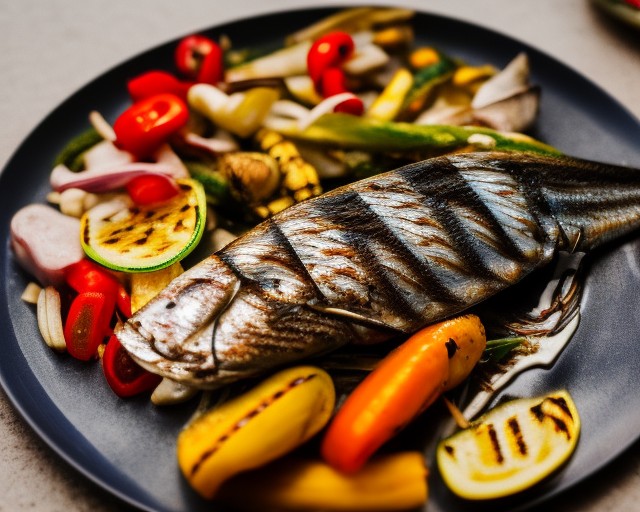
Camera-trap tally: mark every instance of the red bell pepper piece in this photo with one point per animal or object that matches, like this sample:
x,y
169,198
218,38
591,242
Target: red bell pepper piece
x,y
149,123
87,323
200,58
87,276
328,51
156,82
151,189
332,82
123,374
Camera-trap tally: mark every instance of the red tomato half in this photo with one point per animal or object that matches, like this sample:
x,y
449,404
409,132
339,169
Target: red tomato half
x,y
148,123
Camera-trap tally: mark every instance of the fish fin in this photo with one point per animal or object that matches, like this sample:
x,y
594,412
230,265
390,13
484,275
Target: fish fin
x,y
353,317
548,328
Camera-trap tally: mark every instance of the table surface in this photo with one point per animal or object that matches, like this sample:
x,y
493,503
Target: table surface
x,y
52,48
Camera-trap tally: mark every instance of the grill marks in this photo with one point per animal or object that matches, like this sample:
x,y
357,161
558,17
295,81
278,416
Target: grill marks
x,y
516,435
495,217
249,415
402,249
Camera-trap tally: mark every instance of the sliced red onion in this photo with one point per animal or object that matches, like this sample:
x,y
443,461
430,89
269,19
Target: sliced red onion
x,y
105,180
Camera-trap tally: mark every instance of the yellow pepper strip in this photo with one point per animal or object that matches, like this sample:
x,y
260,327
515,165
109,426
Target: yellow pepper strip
x,y
387,106
392,482
241,113
255,428
146,285
393,36
466,75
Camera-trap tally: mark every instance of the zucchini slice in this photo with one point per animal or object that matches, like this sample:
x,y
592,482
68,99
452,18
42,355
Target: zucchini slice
x,y
145,238
510,448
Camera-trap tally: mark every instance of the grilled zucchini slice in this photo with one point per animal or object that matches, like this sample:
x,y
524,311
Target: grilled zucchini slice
x,y
145,238
510,448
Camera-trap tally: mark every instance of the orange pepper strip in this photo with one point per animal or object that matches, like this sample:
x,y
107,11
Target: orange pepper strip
x,y
404,384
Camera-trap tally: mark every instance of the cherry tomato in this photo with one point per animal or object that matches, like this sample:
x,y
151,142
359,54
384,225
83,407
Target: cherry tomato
x,y
87,323
125,377
148,123
328,51
200,58
151,189
156,82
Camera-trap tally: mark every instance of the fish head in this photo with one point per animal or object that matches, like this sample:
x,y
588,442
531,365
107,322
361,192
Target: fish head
x,y
172,335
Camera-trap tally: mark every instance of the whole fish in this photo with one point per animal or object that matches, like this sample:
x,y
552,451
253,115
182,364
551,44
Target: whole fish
x,y
378,258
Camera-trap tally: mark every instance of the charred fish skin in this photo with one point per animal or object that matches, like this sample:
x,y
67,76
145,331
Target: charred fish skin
x,y
378,258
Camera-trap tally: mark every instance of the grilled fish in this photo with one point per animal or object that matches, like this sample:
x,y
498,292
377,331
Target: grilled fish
x,y
378,258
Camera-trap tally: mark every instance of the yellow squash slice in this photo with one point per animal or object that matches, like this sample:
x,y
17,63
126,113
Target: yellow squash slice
x,y
145,238
510,448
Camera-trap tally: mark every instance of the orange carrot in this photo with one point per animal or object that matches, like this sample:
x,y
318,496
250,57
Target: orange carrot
x,y
404,384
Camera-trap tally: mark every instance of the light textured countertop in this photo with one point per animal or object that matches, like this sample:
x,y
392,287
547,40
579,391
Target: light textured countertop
x,y
50,49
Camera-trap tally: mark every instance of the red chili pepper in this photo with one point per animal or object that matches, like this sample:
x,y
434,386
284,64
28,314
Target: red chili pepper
x,y
633,3
156,82
328,51
151,189
150,122
332,82
200,58
123,374
87,323
212,68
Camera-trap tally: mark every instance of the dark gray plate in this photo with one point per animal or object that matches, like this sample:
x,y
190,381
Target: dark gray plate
x,y
128,446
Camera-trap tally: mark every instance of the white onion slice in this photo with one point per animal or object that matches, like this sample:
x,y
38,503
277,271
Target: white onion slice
x,y
101,125
326,106
49,313
217,144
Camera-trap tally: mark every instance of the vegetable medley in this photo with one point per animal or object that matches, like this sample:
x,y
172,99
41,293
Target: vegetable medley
x,y
220,140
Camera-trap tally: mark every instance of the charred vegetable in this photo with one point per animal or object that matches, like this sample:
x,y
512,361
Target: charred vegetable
x,y
145,238
404,384
510,448
255,428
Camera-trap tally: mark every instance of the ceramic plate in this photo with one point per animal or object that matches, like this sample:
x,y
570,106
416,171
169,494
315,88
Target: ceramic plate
x,y
128,447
